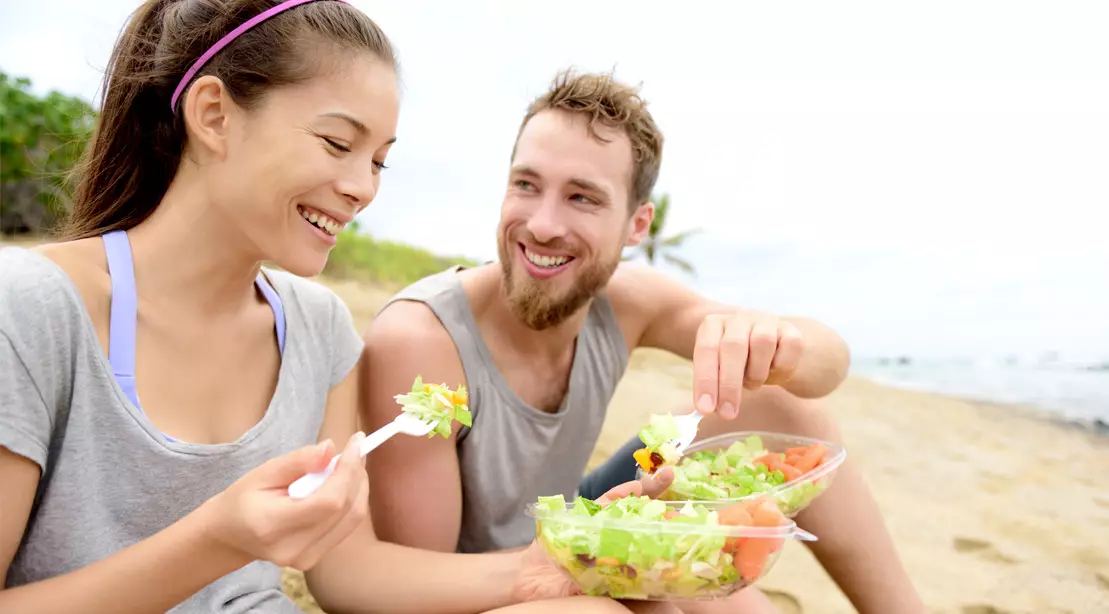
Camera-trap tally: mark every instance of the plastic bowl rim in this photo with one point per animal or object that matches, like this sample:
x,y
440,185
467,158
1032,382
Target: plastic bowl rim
x,y
790,530
836,455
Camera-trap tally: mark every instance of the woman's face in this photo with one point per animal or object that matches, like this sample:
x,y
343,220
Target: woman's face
x,y
298,167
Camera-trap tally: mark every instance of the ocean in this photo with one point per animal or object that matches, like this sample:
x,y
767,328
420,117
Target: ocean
x,y
1072,392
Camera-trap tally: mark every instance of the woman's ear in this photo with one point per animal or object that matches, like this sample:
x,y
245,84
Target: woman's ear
x,y
208,110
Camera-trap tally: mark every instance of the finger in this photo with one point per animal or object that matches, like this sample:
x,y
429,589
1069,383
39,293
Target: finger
x,y
326,506
791,347
733,366
657,483
633,488
706,364
342,529
764,344
284,470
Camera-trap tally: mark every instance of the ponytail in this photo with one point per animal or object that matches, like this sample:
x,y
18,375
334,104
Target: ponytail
x,y
135,149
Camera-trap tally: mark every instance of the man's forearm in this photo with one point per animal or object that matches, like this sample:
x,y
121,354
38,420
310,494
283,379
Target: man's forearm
x,y
384,577
824,364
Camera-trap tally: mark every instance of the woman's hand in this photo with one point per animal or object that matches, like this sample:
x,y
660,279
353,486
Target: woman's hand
x,y
257,520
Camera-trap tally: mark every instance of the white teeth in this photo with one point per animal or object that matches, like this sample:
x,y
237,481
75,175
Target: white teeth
x,y
545,261
321,221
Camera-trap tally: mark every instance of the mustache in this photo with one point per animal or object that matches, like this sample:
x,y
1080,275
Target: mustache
x,y
554,245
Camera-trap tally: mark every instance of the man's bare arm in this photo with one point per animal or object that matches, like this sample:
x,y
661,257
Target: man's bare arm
x,y
415,486
660,312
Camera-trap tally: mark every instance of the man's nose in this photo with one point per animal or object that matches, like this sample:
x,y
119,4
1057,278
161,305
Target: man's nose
x,y
545,223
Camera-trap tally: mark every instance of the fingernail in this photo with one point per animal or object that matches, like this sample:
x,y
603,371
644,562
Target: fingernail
x,y
704,403
727,410
324,446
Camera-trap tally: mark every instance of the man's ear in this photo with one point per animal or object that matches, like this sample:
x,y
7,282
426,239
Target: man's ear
x,y
208,110
640,223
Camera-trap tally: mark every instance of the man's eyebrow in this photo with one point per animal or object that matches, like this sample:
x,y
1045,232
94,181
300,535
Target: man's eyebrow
x,y
357,125
524,170
586,184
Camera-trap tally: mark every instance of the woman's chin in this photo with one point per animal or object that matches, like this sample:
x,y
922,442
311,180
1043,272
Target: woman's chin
x,y
305,266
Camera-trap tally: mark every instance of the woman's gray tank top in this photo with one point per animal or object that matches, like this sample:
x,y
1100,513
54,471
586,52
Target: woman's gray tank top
x,y
515,453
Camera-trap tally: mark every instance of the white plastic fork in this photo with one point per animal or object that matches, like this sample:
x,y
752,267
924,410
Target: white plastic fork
x,y
405,423
687,426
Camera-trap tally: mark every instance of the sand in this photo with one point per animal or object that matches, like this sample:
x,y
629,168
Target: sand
x,y
995,509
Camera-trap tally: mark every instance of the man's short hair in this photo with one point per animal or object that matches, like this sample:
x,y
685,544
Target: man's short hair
x,y
603,99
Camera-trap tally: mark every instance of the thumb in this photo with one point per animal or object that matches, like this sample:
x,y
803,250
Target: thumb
x,y
284,470
657,483
626,489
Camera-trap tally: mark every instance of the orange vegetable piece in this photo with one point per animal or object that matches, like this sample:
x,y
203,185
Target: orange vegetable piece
x,y
751,558
670,514
812,457
643,457
736,515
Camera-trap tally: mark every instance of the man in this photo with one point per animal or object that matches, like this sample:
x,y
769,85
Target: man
x,y
542,339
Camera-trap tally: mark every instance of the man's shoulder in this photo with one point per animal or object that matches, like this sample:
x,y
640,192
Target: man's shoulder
x,y
634,287
407,327
639,295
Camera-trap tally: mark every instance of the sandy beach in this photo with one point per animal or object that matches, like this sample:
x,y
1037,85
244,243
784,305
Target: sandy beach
x,y
995,509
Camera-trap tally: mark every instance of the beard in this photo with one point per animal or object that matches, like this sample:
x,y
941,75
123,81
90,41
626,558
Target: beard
x,y
531,300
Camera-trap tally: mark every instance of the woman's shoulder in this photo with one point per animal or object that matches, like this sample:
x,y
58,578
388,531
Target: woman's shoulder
x,y
326,319
311,298
44,281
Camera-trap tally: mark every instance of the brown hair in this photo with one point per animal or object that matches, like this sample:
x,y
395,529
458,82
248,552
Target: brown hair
x,y
605,100
138,142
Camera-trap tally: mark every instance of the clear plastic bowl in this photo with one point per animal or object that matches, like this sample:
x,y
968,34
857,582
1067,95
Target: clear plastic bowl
x,y
792,496
660,560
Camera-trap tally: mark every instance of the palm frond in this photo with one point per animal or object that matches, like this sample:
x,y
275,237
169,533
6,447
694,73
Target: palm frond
x,y
685,266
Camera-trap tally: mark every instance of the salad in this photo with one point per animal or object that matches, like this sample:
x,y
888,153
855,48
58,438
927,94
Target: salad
x,y
658,449
747,467
641,548
436,403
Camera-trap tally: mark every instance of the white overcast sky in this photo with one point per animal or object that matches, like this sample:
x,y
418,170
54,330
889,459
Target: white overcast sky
x,y
929,178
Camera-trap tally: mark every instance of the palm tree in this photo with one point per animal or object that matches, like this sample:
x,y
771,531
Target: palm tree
x,y
654,245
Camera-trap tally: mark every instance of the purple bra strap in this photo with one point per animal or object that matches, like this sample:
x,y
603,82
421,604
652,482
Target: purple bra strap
x,y
124,312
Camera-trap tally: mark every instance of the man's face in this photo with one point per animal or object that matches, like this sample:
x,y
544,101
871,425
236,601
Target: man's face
x,y
565,217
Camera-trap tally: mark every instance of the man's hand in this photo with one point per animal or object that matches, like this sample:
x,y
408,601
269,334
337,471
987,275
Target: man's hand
x,y
540,579
745,349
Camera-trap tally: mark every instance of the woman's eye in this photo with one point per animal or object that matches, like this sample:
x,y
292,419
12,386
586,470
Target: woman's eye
x,y
380,165
336,145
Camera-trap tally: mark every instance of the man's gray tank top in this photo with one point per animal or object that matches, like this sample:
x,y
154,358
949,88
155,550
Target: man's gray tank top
x,y
515,453
109,477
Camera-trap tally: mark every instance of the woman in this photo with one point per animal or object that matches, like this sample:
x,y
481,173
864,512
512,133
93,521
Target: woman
x,y
159,390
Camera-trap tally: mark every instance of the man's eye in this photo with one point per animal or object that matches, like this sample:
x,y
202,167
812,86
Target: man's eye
x,y
524,185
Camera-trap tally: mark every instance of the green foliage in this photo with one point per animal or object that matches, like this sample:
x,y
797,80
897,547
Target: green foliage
x,y
41,138
655,246
360,256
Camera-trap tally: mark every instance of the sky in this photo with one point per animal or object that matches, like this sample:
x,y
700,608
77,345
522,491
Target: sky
x,y
930,179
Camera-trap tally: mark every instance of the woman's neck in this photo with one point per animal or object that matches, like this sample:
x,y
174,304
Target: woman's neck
x,y
187,255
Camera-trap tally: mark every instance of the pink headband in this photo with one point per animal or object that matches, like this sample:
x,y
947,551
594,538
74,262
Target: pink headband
x,y
226,40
